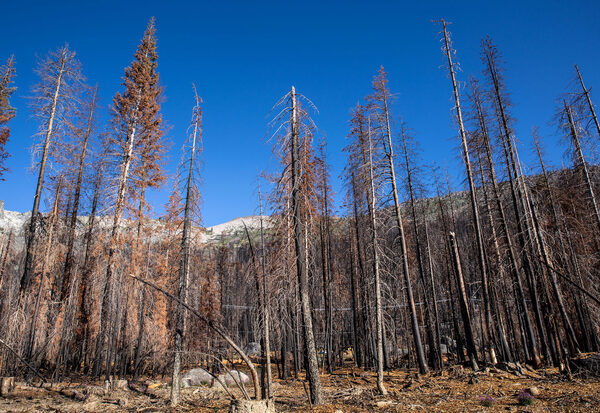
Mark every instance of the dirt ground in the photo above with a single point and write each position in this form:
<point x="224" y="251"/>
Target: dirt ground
<point x="345" y="391"/>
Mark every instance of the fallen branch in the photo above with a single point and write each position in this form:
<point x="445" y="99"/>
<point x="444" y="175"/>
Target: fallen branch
<point x="216" y="328"/>
<point x="573" y="283"/>
<point x="37" y="373"/>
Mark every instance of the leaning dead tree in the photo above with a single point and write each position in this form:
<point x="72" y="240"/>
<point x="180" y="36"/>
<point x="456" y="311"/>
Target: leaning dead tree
<point x="579" y="159"/>
<point x="588" y="99"/>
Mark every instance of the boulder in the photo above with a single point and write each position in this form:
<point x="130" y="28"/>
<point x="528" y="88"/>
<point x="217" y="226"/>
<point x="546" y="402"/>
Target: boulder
<point x="253" y="349"/>
<point x="120" y="384"/>
<point x="230" y="378"/>
<point x="196" y="377"/>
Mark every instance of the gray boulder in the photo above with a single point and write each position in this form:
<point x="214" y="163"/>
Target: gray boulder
<point x="230" y="379"/>
<point x="253" y="349"/>
<point x="196" y="377"/>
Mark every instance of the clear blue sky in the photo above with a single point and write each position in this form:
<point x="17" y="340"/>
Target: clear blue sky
<point x="244" y="55"/>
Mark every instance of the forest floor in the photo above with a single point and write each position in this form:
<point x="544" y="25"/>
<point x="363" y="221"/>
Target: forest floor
<point x="347" y="390"/>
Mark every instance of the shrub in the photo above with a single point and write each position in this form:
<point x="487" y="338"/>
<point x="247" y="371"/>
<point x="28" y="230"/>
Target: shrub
<point x="525" y="398"/>
<point x="487" y="400"/>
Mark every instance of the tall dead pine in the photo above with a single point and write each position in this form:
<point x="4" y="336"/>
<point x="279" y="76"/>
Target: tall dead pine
<point x="184" y="268"/>
<point x="59" y="74"/>
<point x="449" y="52"/>
<point x="312" y="368"/>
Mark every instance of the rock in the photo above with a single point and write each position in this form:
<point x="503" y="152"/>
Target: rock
<point x="197" y="377"/>
<point x="120" y="384"/>
<point x="232" y="377"/>
<point x="384" y="403"/>
<point x="253" y="349"/>
<point x="7" y="384"/>
<point x="123" y="402"/>
<point x="251" y="406"/>
<point x="534" y="391"/>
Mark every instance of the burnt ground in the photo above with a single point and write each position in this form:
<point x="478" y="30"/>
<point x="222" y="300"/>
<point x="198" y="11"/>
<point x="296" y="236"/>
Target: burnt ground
<point x="348" y="390"/>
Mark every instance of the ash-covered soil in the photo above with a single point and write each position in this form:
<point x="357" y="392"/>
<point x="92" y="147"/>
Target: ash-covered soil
<point x="348" y="390"/>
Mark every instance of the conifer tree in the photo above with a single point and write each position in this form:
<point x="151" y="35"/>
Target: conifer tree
<point x="55" y="96"/>
<point x="136" y="118"/>
<point x="380" y="103"/>
<point x="449" y="53"/>
<point x="7" y="112"/>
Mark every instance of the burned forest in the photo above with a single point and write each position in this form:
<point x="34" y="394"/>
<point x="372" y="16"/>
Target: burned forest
<point x="389" y="284"/>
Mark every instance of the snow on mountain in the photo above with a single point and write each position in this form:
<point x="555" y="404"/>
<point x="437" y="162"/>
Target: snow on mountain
<point x="236" y="225"/>
<point x="16" y="222"/>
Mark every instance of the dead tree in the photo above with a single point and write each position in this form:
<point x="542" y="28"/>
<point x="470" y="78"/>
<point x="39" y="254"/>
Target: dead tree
<point x="449" y="52"/>
<point x="580" y="161"/>
<point x="380" y="99"/>
<point x="134" y="109"/>
<point x="378" y="310"/>
<point x="411" y="188"/>
<point x="184" y="266"/>
<point x="266" y="307"/>
<point x="59" y="78"/>
<point x="83" y="145"/>
<point x="586" y="92"/>
<point x="53" y="219"/>
<point x="481" y="119"/>
<point x="490" y="58"/>
<point x="464" y="305"/>
<point x="312" y="368"/>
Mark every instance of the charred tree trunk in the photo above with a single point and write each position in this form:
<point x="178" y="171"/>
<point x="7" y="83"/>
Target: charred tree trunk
<point x="583" y="165"/>
<point x="33" y="222"/>
<point x="312" y="369"/>
<point x="184" y="267"/>
<point x="378" y="310"/>
<point x="475" y="210"/>
<point x="464" y="305"/>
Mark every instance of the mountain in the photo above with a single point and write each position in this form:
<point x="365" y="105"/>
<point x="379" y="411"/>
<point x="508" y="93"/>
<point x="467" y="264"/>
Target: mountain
<point x="17" y="221"/>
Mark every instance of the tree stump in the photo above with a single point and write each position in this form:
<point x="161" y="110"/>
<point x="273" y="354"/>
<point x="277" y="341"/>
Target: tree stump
<point x="251" y="406"/>
<point x="7" y="384"/>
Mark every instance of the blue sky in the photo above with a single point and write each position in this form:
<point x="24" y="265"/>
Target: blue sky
<point x="243" y="56"/>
